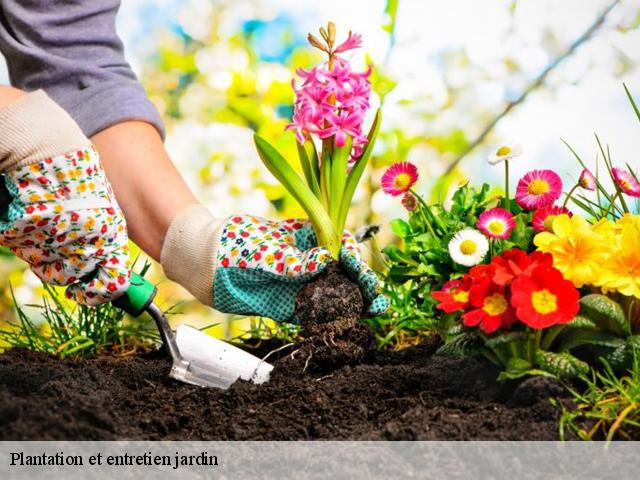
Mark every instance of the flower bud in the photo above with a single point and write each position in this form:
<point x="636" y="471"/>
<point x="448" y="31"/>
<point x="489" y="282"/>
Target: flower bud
<point x="332" y="33"/>
<point x="317" y="43"/>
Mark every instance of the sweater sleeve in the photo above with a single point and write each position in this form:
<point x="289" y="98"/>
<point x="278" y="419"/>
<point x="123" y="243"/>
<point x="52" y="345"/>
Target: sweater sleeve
<point x="70" y="49"/>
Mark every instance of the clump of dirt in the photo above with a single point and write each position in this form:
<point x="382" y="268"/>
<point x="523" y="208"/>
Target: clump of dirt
<point x="331" y="297"/>
<point x="405" y="395"/>
<point x="329" y="309"/>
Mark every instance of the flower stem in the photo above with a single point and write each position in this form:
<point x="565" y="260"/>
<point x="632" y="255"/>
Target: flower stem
<point x="566" y="200"/>
<point x="427" y="209"/>
<point x="506" y="186"/>
<point x="612" y="203"/>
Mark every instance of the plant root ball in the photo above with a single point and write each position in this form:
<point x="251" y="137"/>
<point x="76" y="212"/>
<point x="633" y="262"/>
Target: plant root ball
<point x="329" y="297"/>
<point x="329" y="308"/>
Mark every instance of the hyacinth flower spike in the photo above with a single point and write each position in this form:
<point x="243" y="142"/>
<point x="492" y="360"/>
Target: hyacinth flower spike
<point x="331" y="102"/>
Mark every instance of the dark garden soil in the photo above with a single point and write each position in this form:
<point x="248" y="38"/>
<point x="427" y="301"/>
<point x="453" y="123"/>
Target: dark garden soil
<point x="411" y="394"/>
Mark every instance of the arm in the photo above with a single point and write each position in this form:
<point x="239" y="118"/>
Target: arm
<point x="71" y="50"/>
<point x="242" y="264"/>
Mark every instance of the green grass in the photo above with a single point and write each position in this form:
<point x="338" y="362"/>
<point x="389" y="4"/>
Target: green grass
<point x="607" y="409"/>
<point x="77" y="331"/>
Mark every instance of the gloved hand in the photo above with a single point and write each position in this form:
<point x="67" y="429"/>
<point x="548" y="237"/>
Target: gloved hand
<point x="62" y="218"/>
<point x="252" y="266"/>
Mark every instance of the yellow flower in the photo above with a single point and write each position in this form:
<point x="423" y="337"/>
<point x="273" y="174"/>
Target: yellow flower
<point x="622" y="272"/>
<point x="34" y="198"/>
<point x="578" y="251"/>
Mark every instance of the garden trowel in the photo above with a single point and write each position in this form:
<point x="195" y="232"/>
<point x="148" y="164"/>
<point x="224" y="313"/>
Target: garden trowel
<point x="198" y="358"/>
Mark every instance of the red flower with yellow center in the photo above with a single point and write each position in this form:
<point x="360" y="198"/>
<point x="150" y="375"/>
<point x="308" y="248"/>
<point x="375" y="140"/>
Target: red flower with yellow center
<point x="454" y="295"/>
<point x="492" y="309"/>
<point x="544" y="298"/>
<point x="516" y="262"/>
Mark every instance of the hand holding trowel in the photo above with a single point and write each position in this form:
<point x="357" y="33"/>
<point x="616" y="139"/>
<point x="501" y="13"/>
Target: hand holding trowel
<point x="198" y="359"/>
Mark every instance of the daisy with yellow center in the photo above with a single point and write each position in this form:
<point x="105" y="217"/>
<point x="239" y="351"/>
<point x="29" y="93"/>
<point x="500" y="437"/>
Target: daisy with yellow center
<point x="505" y="152"/>
<point x="538" y="188"/>
<point x="399" y="178"/>
<point x="468" y="247"/>
<point x="496" y="223"/>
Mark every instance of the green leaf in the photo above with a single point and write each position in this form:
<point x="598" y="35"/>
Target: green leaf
<point x="580" y="321"/>
<point x="339" y="162"/>
<point x="561" y="365"/>
<point x="607" y="313"/>
<point x="581" y="336"/>
<point x="391" y="10"/>
<point x="618" y="358"/>
<point x="505" y="338"/>
<point x="287" y="176"/>
<point x="633" y="103"/>
<point x="464" y="345"/>
<point x="357" y="170"/>
<point x="400" y="228"/>
<point x="395" y="254"/>
<point x="310" y="165"/>
<point x="515" y="364"/>
<point x="514" y="375"/>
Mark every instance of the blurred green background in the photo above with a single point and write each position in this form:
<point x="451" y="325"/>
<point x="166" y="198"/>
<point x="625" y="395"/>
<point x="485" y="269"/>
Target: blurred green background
<point x="455" y="78"/>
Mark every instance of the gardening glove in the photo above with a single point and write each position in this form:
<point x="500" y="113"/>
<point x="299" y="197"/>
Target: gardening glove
<point x="251" y="266"/>
<point x="62" y="217"/>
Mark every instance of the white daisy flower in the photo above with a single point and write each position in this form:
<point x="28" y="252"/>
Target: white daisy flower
<point x="468" y="247"/>
<point x="505" y="152"/>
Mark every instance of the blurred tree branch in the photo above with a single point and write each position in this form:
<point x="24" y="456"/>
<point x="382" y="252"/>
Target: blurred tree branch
<point x="534" y="85"/>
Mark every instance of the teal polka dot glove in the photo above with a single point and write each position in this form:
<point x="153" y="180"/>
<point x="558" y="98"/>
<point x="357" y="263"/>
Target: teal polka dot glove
<point x="363" y="275"/>
<point x="262" y="265"/>
<point x="255" y="266"/>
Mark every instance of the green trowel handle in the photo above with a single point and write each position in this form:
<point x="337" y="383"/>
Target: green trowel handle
<point x="138" y="296"/>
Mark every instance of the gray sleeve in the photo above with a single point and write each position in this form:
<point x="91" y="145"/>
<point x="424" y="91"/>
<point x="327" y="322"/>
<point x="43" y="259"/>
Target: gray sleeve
<point x="70" y="49"/>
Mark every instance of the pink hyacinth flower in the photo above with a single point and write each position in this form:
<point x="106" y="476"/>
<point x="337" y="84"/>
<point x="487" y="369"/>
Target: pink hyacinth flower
<point x="542" y="220"/>
<point x="354" y="40"/>
<point x="587" y="180"/>
<point x="399" y="178"/>
<point x="626" y="182"/>
<point x="356" y="94"/>
<point x="315" y="76"/>
<point x="538" y="188"/>
<point x="341" y="125"/>
<point x="496" y="223"/>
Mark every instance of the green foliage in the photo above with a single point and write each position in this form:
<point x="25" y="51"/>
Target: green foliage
<point x="422" y="259"/>
<point x="601" y="330"/>
<point x="410" y="316"/>
<point x="561" y="365"/>
<point x="607" y="409"/>
<point x="78" y="331"/>
<point x="605" y="312"/>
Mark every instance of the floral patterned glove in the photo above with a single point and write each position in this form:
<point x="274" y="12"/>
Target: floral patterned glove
<point x="62" y="218"/>
<point x="258" y="266"/>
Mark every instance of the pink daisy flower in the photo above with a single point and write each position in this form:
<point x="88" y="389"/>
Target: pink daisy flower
<point x="538" y="188"/>
<point x="399" y="178"/>
<point x="409" y="202"/>
<point x="587" y="180"/>
<point x="542" y="220"/>
<point x="496" y="223"/>
<point x="626" y="182"/>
